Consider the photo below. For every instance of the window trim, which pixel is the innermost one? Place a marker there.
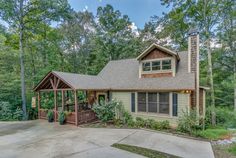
(158, 105)
(157, 71)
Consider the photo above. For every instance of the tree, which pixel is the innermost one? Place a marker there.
(202, 14)
(24, 15)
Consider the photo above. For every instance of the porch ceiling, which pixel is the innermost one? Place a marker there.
(51, 82)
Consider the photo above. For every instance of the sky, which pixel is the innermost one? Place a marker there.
(139, 11)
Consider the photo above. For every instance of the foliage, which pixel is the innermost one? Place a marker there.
(84, 43)
(143, 151)
(50, 115)
(232, 149)
(214, 133)
(61, 117)
(225, 117)
(107, 110)
(8, 114)
(140, 122)
(188, 122)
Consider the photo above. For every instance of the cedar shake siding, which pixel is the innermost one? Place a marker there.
(154, 75)
(155, 54)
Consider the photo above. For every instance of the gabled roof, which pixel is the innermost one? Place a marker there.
(156, 46)
(124, 75)
(72, 81)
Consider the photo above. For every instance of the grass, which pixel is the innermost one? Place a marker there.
(143, 151)
(232, 149)
(214, 134)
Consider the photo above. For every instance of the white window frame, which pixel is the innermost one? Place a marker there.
(157, 71)
(158, 104)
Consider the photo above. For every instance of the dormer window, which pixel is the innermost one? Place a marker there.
(166, 64)
(156, 65)
(146, 66)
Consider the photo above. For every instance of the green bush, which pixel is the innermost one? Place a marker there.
(140, 122)
(50, 115)
(225, 117)
(188, 122)
(9, 114)
(150, 123)
(164, 124)
(127, 117)
(107, 111)
(17, 114)
(61, 117)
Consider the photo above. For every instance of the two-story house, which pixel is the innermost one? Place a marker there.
(158, 84)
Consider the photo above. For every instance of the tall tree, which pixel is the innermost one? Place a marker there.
(203, 14)
(24, 15)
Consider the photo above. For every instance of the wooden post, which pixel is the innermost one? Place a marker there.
(76, 108)
(55, 105)
(38, 105)
(62, 100)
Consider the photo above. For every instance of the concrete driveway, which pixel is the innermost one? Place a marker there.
(42, 139)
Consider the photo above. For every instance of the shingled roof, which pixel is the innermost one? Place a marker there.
(124, 75)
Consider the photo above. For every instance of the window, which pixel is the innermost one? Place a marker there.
(132, 102)
(149, 102)
(164, 103)
(147, 66)
(166, 64)
(142, 102)
(156, 65)
(152, 102)
(175, 104)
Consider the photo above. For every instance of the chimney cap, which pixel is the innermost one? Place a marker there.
(193, 31)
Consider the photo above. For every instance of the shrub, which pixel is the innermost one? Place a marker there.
(150, 123)
(140, 122)
(164, 124)
(107, 111)
(127, 117)
(8, 113)
(188, 122)
(225, 117)
(50, 115)
(131, 123)
(18, 114)
(5, 111)
(61, 117)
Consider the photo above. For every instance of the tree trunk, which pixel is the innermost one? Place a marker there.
(213, 115)
(22, 68)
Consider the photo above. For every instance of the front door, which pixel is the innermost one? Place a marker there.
(101, 98)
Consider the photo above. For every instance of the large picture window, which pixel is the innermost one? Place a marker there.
(142, 102)
(164, 103)
(149, 102)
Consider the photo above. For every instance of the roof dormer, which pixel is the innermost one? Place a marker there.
(157, 61)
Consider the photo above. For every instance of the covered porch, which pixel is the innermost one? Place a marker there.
(58, 92)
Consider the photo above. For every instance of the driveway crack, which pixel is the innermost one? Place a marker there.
(127, 136)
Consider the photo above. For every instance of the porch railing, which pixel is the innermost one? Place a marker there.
(83, 116)
(86, 116)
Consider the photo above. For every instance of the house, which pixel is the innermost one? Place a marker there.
(158, 84)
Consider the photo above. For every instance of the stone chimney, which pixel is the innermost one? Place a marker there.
(193, 64)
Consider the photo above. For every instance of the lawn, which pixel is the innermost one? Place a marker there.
(143, 151)
(215, 133)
